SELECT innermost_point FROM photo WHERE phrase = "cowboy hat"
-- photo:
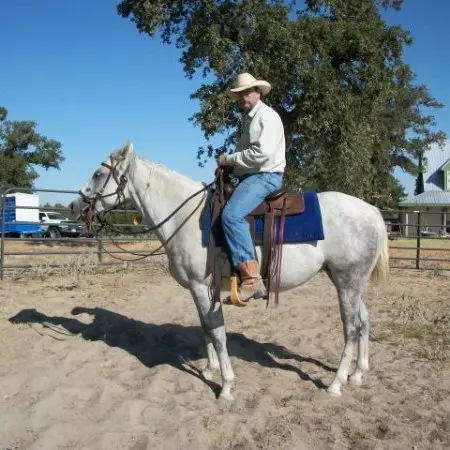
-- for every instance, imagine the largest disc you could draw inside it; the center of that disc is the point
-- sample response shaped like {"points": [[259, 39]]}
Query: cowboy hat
{"points": [[246, 81]]}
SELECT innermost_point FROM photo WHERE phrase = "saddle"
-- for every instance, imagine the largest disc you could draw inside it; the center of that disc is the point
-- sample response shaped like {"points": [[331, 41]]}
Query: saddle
{"points": [[274, 209]]}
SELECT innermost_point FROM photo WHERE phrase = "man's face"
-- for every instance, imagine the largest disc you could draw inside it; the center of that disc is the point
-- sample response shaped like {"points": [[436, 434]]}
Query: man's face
{"points": [[247, 99]]}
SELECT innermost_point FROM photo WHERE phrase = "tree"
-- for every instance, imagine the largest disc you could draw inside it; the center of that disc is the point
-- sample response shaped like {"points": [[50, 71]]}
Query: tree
{"points": [[420, 188], [350, 108], [21, 150], [57, 207]]}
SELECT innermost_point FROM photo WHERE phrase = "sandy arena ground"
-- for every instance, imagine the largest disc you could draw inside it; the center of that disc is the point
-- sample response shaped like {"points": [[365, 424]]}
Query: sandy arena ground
{"points": [[111, 361]]}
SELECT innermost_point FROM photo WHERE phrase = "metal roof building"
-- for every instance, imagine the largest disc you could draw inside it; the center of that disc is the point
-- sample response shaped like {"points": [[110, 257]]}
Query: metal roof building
{"points": [[434, 179], [434, 202]]}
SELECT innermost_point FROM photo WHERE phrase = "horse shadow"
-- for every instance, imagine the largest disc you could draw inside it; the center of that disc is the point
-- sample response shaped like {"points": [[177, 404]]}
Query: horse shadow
{"points": [[168, 343]]}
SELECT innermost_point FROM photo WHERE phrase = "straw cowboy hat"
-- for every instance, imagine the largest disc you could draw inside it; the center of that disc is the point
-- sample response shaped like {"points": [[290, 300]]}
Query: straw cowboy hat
{"points": [[246, 81]]}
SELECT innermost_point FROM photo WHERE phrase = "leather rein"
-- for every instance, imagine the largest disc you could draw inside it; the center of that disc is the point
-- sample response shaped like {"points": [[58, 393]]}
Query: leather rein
{"points": [[89, 212]]}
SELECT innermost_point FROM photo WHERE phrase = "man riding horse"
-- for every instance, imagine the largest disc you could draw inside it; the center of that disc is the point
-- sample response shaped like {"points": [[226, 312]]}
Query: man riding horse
{"points": [[259, 163]]}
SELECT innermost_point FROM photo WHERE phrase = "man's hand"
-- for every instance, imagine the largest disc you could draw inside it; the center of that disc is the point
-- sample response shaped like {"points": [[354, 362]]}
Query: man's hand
{"points": [[222, 160]]}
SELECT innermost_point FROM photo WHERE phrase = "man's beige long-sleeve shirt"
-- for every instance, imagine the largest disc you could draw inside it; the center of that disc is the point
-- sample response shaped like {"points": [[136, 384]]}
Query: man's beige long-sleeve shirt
{"points": [[261, 146]]}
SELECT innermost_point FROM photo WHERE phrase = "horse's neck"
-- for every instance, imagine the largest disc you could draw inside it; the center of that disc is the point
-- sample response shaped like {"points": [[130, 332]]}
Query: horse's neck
{"points": [[158, 191]]}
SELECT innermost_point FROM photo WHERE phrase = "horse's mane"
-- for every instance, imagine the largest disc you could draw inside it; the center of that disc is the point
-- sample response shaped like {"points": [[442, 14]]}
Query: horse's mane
{"points": [[160, 170]]}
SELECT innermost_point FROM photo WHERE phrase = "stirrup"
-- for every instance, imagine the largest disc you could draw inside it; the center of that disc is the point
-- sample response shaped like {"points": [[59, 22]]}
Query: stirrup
{"points": [[235, 298]]}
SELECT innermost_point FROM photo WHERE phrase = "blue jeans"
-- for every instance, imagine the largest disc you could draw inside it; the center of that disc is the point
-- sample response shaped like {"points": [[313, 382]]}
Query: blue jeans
{"points": [[250, 192]]}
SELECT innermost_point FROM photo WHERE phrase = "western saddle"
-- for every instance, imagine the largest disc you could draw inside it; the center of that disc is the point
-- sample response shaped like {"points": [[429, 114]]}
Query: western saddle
{"points": [[280, 204]]}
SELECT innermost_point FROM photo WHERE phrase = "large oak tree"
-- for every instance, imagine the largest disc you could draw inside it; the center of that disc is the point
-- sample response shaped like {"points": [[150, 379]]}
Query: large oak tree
{"points": [[351, 109]]}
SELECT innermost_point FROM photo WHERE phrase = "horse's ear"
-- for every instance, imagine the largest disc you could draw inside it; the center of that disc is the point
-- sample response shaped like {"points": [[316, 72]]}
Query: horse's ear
{"points": [[126, 150]]}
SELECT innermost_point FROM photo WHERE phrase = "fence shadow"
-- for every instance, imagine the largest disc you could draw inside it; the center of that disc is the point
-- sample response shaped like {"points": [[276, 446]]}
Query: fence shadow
{"points": [[169, 343]]}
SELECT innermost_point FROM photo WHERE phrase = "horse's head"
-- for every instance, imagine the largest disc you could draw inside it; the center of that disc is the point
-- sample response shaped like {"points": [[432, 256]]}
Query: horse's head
{"points": [[106, 188]]}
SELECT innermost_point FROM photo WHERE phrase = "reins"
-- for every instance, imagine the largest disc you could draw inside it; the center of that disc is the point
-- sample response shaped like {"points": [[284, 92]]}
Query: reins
{"points": [[89, 213], [164, 243]]}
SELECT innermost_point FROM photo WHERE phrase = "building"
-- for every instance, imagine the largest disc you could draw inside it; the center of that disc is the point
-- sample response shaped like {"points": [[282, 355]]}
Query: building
{"points": [[434, 202]]}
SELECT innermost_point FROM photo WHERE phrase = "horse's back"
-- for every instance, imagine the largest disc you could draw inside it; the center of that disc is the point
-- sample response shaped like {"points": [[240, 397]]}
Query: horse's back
{"points": [[335, 205]]}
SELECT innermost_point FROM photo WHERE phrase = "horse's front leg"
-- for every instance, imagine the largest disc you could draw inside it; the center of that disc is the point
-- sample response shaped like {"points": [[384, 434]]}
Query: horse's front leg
{"points": [[211, 318], [213, 362]]}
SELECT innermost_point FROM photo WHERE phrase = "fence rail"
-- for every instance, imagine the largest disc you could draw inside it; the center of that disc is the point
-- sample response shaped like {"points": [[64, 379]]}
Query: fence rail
{"points": [[428, 257], [27, 252], [432, 249]]}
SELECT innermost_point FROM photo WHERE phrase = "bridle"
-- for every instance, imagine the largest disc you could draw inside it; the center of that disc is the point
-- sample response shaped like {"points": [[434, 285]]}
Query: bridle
{"points": [[88, 212]]}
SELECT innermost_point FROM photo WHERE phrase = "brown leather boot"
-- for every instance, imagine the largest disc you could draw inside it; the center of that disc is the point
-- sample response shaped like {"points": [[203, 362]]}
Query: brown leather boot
{"points": [[252, 285]]}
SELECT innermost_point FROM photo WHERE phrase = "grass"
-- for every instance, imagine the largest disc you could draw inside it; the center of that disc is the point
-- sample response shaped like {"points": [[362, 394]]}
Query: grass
{"points": [[88, 248], [429, 249], [353, 433], [413, 319], [71, 269], [443, 244]]}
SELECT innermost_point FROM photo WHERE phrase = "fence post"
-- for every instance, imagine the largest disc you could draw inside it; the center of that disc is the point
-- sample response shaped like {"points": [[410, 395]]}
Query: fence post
{"points": [[2, 244], [100, 247], [418, 241]]}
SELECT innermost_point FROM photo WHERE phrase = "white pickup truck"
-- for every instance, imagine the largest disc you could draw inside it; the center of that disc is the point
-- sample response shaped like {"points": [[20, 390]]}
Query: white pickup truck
{"points": [[55, 225]]}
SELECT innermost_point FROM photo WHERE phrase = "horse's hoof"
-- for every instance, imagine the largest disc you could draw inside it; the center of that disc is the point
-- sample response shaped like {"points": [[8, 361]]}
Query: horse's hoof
{"points": [[355, 379], [226, 397], [334, 391]]}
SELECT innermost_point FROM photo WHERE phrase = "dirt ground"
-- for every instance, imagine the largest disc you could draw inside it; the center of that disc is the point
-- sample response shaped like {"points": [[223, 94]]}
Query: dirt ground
{"points": [[111, 360]]}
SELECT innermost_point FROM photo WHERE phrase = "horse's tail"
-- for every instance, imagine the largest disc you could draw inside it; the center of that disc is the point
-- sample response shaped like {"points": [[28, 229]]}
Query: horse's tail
{"points": [[381, 269]]}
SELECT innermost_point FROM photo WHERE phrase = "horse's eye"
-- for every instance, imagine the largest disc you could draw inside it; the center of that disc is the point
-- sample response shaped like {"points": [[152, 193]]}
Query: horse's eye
{"points": [[98, 173]]}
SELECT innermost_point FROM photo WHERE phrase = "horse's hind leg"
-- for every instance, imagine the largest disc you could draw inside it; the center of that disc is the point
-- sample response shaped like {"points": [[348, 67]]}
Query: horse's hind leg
{"points": [[362, 362], [349, 301], [211, 318]]}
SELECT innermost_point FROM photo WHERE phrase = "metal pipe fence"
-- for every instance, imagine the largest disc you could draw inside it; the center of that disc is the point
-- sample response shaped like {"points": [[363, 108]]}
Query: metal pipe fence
{"points": [[424, 235], [422, 251], [97, 246]]}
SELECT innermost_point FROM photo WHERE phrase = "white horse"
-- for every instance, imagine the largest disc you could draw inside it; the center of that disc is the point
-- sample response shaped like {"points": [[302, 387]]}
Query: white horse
{"points": [[354, 249]]}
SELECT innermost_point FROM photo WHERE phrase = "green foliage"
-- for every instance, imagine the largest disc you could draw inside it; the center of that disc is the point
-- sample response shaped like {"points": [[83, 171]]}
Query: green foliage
{"points": [[58, 207], [124, 215], [420, 188], [21, 150], [350, 108]]}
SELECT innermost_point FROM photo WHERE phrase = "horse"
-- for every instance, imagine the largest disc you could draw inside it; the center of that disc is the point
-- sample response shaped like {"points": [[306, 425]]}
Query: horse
{"points": [[353, 252]]}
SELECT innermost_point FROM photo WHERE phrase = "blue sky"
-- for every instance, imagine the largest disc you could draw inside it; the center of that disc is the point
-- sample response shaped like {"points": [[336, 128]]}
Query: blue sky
{"points": [[91, 81]]}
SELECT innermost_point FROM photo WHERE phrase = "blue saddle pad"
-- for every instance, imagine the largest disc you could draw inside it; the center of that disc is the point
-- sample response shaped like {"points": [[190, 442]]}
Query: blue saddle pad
{"points": [[304, 227]]}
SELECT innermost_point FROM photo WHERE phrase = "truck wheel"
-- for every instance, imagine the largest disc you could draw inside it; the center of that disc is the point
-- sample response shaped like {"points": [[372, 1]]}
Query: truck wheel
{"points": [[54, 233]]}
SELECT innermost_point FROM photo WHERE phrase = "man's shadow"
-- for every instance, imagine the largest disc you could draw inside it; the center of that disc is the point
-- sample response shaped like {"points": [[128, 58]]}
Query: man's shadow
{"points": [[167, 343]]}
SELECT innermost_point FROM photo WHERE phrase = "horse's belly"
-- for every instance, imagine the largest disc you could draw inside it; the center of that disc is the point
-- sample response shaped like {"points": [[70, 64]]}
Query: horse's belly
{"points": [[300, 263]]}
